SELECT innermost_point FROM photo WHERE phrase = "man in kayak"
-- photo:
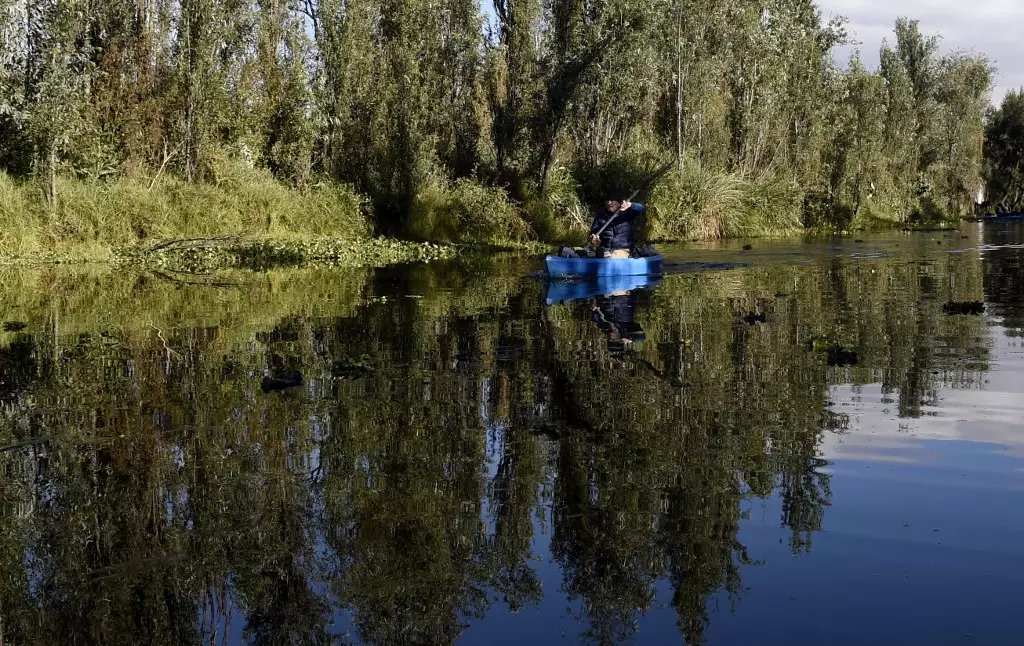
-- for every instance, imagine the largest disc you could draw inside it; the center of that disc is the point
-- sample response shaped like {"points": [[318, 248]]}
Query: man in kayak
{"points": [[618, 237]]}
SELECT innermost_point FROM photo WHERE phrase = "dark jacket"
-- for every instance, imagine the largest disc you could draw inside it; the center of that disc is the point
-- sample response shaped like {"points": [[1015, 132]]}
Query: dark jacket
{"points": [[621, 234]]}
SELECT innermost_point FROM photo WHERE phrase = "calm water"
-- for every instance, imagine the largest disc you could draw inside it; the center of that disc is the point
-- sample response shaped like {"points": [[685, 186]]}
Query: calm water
{"points": [[800, 446]]}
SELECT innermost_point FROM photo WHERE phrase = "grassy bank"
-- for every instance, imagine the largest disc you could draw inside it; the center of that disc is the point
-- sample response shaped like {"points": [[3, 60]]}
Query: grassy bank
{"points": [[125, 212], [246, 218]]}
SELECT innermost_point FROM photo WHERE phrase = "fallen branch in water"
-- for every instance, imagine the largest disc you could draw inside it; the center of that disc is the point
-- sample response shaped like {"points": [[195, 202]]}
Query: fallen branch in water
{"points": [[212, 282], [194, 243], [17, 445]]}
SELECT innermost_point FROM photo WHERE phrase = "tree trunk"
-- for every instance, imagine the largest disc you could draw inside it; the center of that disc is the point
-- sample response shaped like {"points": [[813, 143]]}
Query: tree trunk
{"points": [[679, 88], [549, 163], [51, 178]]}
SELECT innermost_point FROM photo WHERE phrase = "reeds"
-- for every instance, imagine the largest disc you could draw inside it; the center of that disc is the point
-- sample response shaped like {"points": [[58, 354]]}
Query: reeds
{"points": [[93, 218], [702, 204]]}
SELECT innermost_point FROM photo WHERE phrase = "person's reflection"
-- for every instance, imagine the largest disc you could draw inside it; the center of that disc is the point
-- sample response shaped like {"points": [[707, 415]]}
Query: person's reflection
{"points": [[613, 315]]}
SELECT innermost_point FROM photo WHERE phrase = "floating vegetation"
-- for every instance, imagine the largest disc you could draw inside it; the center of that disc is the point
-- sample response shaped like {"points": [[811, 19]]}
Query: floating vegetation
{"points": [[972, 308], [205, 255], [836, 354], [928, 229]]}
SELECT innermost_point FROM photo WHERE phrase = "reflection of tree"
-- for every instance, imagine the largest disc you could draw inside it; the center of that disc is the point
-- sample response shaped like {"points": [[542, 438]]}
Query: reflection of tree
{"points": [[804, 496], [1003, 280], [155, 492], [602, 537], [700, 539], [512, 501]]}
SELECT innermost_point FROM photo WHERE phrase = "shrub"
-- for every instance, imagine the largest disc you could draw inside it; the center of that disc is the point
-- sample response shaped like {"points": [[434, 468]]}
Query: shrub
{"points": [[561, 215], [466, 212]]}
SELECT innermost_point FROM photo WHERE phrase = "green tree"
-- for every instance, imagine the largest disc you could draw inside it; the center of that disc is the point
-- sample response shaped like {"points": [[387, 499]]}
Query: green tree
{"points": [[1004, 149]]}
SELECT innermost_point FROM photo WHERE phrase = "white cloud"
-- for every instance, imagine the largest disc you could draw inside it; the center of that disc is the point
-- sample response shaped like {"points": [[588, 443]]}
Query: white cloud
{"points": [[994, 28]]}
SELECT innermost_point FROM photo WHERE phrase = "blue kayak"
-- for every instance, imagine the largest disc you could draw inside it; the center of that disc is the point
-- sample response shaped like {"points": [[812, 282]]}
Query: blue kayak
{"points": [[561, 290], [559, 267], [1016, 217]]}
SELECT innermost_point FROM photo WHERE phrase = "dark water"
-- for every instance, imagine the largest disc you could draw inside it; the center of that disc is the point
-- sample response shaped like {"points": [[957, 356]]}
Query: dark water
{"points": [[799, 447]]}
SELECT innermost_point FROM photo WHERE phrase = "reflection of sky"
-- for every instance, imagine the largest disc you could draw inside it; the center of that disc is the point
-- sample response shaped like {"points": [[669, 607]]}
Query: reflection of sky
{"points": [[921, 543], [908, 555], [993, 414]]}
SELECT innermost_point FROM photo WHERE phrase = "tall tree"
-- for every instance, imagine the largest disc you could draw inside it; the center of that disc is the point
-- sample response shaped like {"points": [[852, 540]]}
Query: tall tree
{"points": [[1004, 150]]}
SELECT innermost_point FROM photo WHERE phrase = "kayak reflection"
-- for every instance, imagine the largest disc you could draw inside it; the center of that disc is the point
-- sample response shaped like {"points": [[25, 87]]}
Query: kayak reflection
{"points": [[613, 301], [565, 291]]}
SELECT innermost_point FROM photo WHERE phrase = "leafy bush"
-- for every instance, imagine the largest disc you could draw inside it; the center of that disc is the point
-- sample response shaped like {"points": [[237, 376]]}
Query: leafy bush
{"points": [[561, 215], [465, 211]]}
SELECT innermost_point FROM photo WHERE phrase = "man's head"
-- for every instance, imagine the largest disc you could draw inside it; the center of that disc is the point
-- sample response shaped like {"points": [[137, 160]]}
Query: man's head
{"points": [[613, 200]]}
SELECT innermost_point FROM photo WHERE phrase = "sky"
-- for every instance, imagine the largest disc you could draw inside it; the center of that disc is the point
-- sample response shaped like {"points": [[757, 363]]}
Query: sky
{"points": [[994, 28]]}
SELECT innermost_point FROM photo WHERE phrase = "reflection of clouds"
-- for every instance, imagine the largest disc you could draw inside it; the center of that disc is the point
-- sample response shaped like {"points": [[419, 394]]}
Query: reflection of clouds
{"points": [[989, 27], [993, 414]]}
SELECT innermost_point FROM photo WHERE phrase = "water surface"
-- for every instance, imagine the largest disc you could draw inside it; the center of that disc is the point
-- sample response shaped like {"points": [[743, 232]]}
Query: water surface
{"points": [[793, 444]]}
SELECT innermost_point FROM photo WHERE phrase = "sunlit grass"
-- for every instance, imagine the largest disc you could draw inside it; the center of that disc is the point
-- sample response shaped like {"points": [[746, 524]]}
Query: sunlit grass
{"points": [[94, 217], [706, 204]]}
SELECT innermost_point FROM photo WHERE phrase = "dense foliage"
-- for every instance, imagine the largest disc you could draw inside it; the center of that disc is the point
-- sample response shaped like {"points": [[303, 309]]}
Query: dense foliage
{"points": [[1004, 151], [540, 102]]}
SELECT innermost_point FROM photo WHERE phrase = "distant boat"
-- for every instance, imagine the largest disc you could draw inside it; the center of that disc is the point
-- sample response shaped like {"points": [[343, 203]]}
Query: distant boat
{"points": [[558, 267], [562, 290], [1012, 217]]}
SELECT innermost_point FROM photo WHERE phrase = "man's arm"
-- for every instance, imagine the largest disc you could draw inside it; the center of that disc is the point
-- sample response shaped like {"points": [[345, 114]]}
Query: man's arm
{"points": [[595, 226], [629, 212]]}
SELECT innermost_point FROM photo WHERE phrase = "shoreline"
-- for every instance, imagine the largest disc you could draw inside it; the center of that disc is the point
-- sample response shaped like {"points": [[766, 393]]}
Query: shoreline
{"points": [[198, 255], [266, 252]]}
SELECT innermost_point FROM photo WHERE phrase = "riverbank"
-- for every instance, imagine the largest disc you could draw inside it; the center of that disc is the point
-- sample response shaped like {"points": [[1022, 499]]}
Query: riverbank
{"points": [[244, 218]]}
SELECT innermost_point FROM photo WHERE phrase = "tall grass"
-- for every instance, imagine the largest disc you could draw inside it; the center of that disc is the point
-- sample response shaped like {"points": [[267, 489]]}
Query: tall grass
{"points": [[93, 215], [93, 218], [702, 204]]}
